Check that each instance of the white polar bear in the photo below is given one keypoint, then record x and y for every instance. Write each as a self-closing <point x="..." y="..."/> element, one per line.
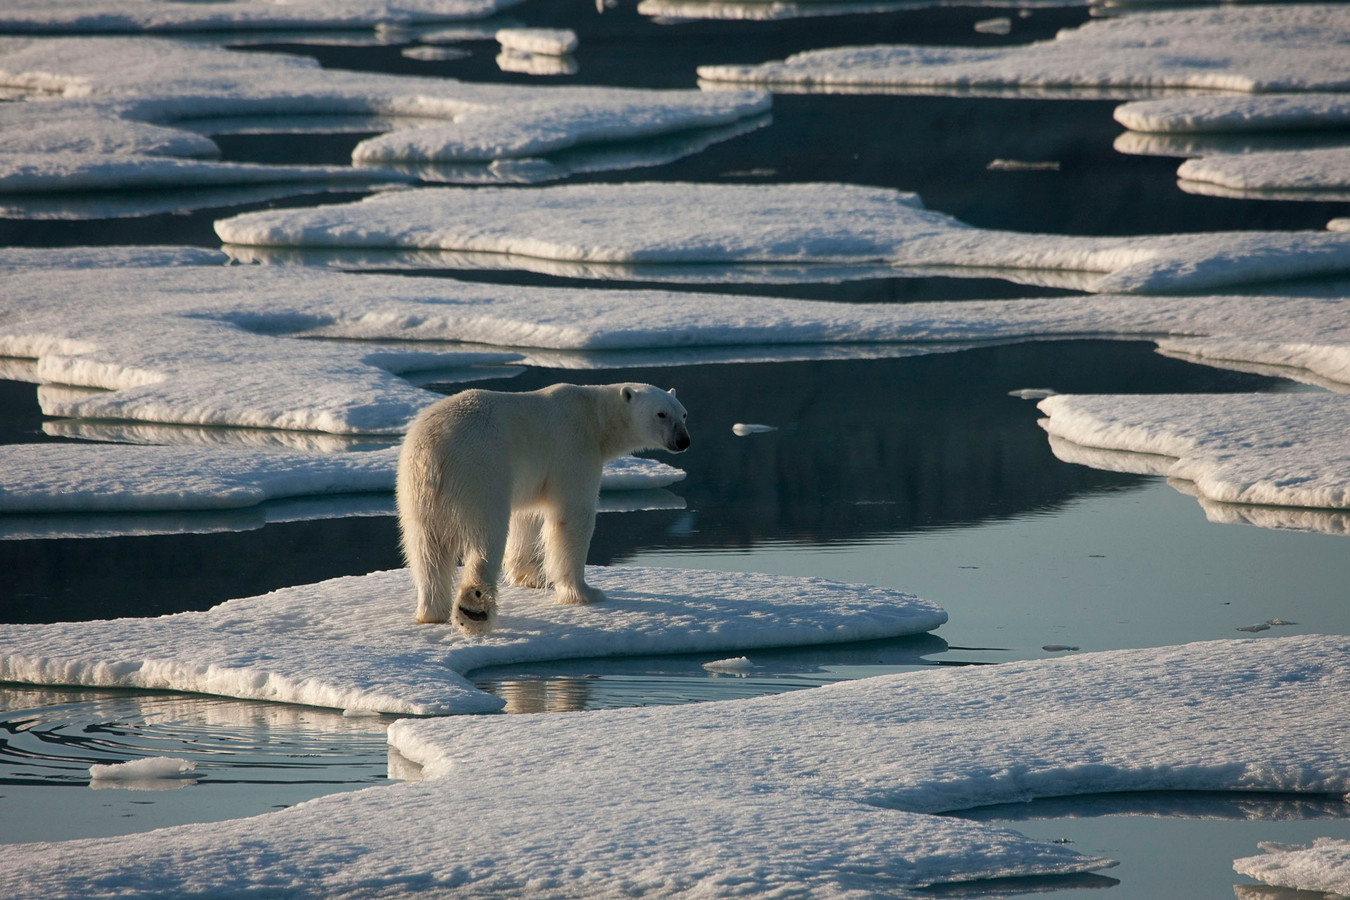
<point x="491" y="477"/>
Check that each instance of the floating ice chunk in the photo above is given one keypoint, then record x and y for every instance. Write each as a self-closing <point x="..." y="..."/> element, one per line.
<point x="1255" y="49"/>
<point x="1032" y="393"/>
<point x="736" y="665"/>
<point x="1265" y="449"/>
<point x="669" y="223"/>
<point x="741" y="429"/>
<point x="1209" y="114"/>
<point x="1058" y="648"/>
<point x="288" y="646"/>
<point x="1322" y="866"/>
<point x="999" y="25"/>
<point x="1252" y="629"/>
<point x="1322" y="174"/>
<point x="538" y="41"/>
<point x="1019" y="165"/>
<point x="666" y="11"/>
<point x="536" y="63"/>
<point x="147" y="769"/>
<point x="121" y="16"/>
<point x="435" y="54"/>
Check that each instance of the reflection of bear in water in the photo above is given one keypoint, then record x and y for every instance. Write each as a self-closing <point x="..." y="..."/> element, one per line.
<point x="480" y="464"/>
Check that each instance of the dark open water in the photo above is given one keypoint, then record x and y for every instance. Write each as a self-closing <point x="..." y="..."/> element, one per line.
<point x="918" y="472"/>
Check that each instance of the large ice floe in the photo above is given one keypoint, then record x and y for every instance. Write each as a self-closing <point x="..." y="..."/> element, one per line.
<point x="351" y="643"/>
<point x="131" y="16"/>
<point x="827" y="792"/>
<point x="1322" y="866"/>
<point x="677" y="224"/>
<point x="133" y="113"/>
<point x="1266" y="48"/>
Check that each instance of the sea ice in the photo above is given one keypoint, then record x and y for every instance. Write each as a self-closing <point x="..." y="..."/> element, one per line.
<point x="736" y="665"/>
<point x="671" y="223"/>
<point x="129" y="16"/>
<point x="148" y="769"/>
<point x="1322" y="866"/>
<point x="351" y="643"/>
<point x="132" y="478"/>
<point x="1261" y="449"/>
<point x="1322" y="174"/>
<point x="1257" y="49"/>
<point x="1225" y="113"/>
<point x="148" y="339"/>
<point x="539" y="41"/>
<point x="825" y="791"/>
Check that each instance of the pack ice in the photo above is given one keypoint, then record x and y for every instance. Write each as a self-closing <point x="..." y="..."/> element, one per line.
<point x="351" y="643"/>
<point x="119" y="108"/>
<point x="1257" y="49"/>
<point x="656" y="223"/>
<point x="1322" y="866"/>
<point x="827" y="791"/>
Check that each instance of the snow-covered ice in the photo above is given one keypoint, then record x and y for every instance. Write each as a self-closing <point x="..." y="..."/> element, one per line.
<point x="1322" y="174"/>
<point x="1254" y="49"/>
<point x="675" y="223"/>
<point x="132" y="478"/>
<point x="539" y="41"/>
<point x="129" y="16"/>
<point x="1323" y="866"/>
<point x="149" y="339"/>
<point x="1261" y="449"/>
<point x="773" y="10"/>
<point x="735" y="665"/>
<point x="1225" y="113"/>
<point x="824" y="792"/>
<point x="351" y="643"/>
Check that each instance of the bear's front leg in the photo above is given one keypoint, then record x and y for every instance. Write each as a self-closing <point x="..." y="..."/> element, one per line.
<point x="525" y="550"/>
<point x="567" y="538"/>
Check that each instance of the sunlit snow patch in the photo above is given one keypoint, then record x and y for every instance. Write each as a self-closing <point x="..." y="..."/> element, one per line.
<point x="1285" y="450"/>
<point x="351" y="643"/>
<point x="667" y="808"/>
<point x="1255" y="49"/>
<point x="127" y="16"/>
<point x="1323" y="866"/>
<point x="686" y="224"/>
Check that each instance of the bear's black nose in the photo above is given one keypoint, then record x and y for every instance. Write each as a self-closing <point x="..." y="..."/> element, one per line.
<point x="682" y="443"/>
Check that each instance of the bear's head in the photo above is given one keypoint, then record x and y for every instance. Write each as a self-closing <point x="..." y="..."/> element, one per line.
<point x="657" y="416"/>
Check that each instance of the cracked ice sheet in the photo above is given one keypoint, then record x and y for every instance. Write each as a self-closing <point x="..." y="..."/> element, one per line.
<point x="124" y="16"/>
<point x="351" y="643"/>
<point x="673" y="223"/>
<point x="1259" y="49"/>
<point x="1286" y="450"/>
<point x="765" y="807"/>
<point x="214" y="345"/>
<point x="1322" y="866"/>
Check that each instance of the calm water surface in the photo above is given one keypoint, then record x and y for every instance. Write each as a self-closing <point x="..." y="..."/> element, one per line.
<point x="912" y="471"/>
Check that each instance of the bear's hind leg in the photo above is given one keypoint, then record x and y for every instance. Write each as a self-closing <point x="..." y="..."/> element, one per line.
<point x="475" y="609"/>
<point x="525" y="550"/>
<point x="432" y="563"/>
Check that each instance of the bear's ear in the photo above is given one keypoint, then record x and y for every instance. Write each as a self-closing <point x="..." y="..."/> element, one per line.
<point x="627" y="393"/>
<point x="671" y="392"/>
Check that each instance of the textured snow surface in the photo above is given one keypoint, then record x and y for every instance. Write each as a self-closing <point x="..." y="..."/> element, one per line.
<point x="149" y="339"/>
<point x="140" y="97"/>
<point x="822" y="792"/>
<point x="351" y="643"/>
<point x="1322" y="866"/>
<point x="1291" y="174"/>
<point x="1265" y="449"/>
<point x="1227" y="113"/>
<point x="1278" y="47"/>
<point x="123" y="16"/>
<point x="127" y="478"/>
<point x="667" y="223"/>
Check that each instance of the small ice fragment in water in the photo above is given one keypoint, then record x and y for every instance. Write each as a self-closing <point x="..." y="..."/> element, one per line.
<point x="741" y="429"/>
<point x="147" y="769"/>
<point x="1032" y="393"/>
<point x="1259" y="626"/>
<point x="737" y="664"/>
<point x="1001" y="25"/>
<point x="1021" y="165"/>
<point x="1279" y="622"/>
<point x="541" y="41"/>
<point x="1056" y="648"/>
<point x="435" y="54"/>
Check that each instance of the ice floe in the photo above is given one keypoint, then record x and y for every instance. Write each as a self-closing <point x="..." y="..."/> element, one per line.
<point x="1285" y="175"/>
<point x="130" y="16"/>
<point x="767" y="807"/>
<point x="1261" y="449"/>
<point x="1226" y="113"/>
<point x="1323" y="866"/>
<point x="652" y="223"/>
<point x="149" y="768"/>
<point x="134" y="478"/>
<point x="1268" y="48"/>
<point x="540" y="41"/>
<point x="773" y="10"/>
<point x="351" y="643"/>
<point x="141" y="97"/>
<point x="144" y="345"/>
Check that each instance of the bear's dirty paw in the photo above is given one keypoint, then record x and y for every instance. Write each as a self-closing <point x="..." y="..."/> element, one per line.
<point x="475" y="610"/>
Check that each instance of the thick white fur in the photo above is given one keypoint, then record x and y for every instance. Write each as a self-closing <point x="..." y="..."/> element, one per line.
<point x="512" y="479"/>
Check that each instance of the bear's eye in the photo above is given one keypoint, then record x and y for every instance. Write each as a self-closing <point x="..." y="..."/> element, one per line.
<point x="660" y="415"/>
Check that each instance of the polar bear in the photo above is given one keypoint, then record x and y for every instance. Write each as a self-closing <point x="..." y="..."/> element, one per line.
<point x="491" y="478"/>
